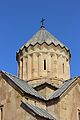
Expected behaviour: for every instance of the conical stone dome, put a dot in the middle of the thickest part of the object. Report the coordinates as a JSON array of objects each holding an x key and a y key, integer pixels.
[
  {"x": 37, "y": 60},
  {"x": 44, "y": 36}
]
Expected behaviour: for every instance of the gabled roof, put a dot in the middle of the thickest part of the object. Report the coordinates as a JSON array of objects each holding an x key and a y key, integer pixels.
[
  {"x": 26, "y": 88},
  {"x": 23, "y": 85},
  {"x": 39, "y": 111},
  {"x": 62, "y": 88},
  {"x": 44, "y": 36},
  {"x": 48, "y": 83}
]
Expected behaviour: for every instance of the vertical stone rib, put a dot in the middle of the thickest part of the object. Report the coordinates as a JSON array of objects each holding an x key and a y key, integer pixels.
[
  {"x": 67, "y": 70},
  {"x": 24, "y": 68},
  {"x": 49, "y": 65},
  {"x": 18, "y": 72},
  {"x": 29, "y": 67},
  {"x": 35, "y": 65},
  {"x": 60, "y": 66},
  {"x": 54, "y": 66},
  {"x": 40, "y": 65},
  {"x": 21, "y": 69},
  {"x": 64, "y": 74}
]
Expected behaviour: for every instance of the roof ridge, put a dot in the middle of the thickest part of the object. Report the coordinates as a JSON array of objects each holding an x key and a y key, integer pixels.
[
  {"x": 9, "y": 73},
  {"x": 61, "y": 89},
  {"x": 39, "y": 111},
  {"x": 24, "y": 86}
]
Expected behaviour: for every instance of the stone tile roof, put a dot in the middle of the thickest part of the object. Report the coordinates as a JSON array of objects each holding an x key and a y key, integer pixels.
[
  {"x": 62, "y": 88},
  {"x": 23, "y": 85},
  {"x": 44, "y": 36},
  {"x": 28, "y": 89},
  {"x": 39, "y": 111}
]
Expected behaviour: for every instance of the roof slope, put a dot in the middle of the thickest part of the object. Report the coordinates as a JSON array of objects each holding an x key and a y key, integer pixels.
[
  {"x": 44, "y": 36},
  {"x": 62, "y": 88},
  {"x": 39, "y": 111},
  {"x": 23, "y": 85}
]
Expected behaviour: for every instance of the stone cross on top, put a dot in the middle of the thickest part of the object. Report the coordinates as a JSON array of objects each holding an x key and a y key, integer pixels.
[{"x": 42, "y": 22}]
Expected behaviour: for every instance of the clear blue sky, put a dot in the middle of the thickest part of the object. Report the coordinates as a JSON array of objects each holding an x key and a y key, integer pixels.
[{"x": 20, "y": 19}]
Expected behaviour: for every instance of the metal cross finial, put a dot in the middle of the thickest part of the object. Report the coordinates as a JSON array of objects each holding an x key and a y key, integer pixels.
[{"x": 42, "y": 21}]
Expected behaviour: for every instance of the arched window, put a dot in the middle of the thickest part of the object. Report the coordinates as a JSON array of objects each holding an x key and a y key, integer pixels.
[
  {"x": 63, "y": 67},
  {"x": 44, "y": 64}
]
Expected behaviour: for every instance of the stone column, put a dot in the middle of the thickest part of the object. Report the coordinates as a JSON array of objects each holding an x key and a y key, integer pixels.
[
  {"x": 18, "y": 72},
  {"x": 35, "y": 65},
  {"x": 40, "y": 65},
  {"x": 67, "y": 69},
  {"x": 64, "y": 74},
  {"x": 54, "y": 66},
  {"x": 0, "y": 114},
  {"x": 24, "y": 68},
  {"x": 29, "y": 67},
  {"x": 21, "y": 69},
  {"x": 60, "y": 66},
  {"x": 49, "y": 65}
]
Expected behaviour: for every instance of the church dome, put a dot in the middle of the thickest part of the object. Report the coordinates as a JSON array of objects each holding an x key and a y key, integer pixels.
[
  {"x": 43, "y": 57},
  {"x": 43, "y": 36}
]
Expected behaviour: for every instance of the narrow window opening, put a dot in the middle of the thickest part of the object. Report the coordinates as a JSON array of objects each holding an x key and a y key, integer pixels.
[
  {"x": 44, "y": 64},
  {"x": 27, "y": 98},
  {"x": 35, "y": 102},
  {"x": 79, "y": 115},
  {"x": 1, "y": 112},
  {"x": 63, "y": 67}
]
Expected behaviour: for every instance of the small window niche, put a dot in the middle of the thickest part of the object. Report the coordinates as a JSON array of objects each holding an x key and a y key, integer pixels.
[
  {"x": 1, "y": 112},
  {"x": 44, "y": 64},
  {"x": 63, "y": 67},
  {"x": 78, "y": 115}
]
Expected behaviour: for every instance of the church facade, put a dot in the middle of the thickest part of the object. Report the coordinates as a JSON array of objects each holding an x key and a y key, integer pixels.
[{"x": 43, "y": 89}]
